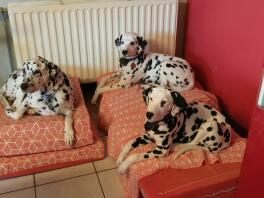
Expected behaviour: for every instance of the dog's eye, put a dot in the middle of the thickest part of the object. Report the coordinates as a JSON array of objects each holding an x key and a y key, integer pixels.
[
  {"x": 150, "y": 99},
  {"x": 122, "y": 42},
  {"x": 162, "y": 103}
]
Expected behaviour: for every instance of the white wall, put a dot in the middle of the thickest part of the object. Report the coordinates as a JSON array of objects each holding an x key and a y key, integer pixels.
[{"x": 5, "y": 66}]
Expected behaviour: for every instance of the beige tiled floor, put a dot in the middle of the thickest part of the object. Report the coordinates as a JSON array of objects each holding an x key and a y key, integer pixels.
[{"x": 91, "y": 180}]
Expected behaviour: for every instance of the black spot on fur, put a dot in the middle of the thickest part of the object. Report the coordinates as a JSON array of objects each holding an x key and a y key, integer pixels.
[
  {"x": 162, "y": 103},
  {"x": 193, "y": 135},
  {"x": 195, "y": 110},
  {"x": 170, "y": 65},
  {"x": 165, "y": 141},
  {"x": 227, "y": 136},
  {"x": 146, "y": 156},
  {"x": 212, "y": 137},
  {"x": 207, "y": 107},
  {"x": 157, "y": 152},
  {"x": 14, "y": 76},
  {"x": 189, "y": 112},
  {"x": 67, "y": 96},
  {"x": 185, "y": 140},
  {"x": 135, "y": 71},
  {"x": 215, "y": 144},
  {"x": 209, "y": 128},
  {"x": 213, "y": 113},
  {"x": 139, "y": 141},
  {"x": 148, "y": 65}
]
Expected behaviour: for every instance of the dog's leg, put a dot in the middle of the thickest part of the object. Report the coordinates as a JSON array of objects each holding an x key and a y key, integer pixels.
[
  {"x": 105, "y": 80},
  {"x": 4, "y": 101},
  {"x": 198, "y": 142},
  {"x": 119, "y": 85},
  {"x": 162, "y": 148},
  {"x": 20, "y": 96},
  {"x": 68, "y": 129},
  {"x": 19, "y": 112},
  {"x": 134, "y": 143},
  {"x": 101, "y": 86}
]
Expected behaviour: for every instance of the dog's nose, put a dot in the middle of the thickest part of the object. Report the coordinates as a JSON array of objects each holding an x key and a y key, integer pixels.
[
  {"x": 149, "y": 114},
  {"x": 132, "y": 43},
  {"x": 124, "y": 52},
  {"x": 24, "y": 86}
]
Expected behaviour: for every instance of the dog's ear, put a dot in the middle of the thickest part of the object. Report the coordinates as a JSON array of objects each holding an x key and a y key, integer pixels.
[
  {"x": 54, "y": 72},
  {"x": 146, "y": 93},
  {"x": 142, "y": 42},
  {"x": 178, "y": 100},
  {"x": 118, "y": 41}
]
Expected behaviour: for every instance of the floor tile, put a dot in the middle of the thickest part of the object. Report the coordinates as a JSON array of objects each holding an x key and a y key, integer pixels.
[
  {"x": 79, "y": 187},
  {"x": 111, "y": 184},
  {"x": 25, "y": 193},
  {"x": 64, "y": 173},
  {"x": 105, "y": 164},
  {"x": 16, "y": 183}
]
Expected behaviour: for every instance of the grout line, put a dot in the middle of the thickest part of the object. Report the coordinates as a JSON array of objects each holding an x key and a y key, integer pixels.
[
  {"x": 34, "y": 179},
  {"x": 16, "y": 190},
  {"x": 65, "y": 179},
  {"x": 99, "y": 182},
  {"x": 106, "y": 170}
]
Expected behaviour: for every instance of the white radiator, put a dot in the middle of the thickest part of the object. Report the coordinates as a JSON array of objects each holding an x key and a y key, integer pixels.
[{"x": 80, "y": 37}]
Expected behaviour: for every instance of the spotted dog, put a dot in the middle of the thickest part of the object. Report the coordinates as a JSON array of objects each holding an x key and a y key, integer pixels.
[
  {"x": 136, "y": 67},
  {"x": 39, "y": 88},
  {"x": 170, "y": 121}
]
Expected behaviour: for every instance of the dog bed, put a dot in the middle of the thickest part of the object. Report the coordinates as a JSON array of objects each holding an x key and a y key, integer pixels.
[
  {"x": 36, "y": 143},
  {"x": 122, "y": 114}
]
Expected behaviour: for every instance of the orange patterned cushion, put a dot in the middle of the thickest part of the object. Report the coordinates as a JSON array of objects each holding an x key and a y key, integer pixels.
[{"x": 35, "y": 134}]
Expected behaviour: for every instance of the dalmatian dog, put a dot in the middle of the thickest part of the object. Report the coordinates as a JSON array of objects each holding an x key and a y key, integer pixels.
[
  {"x": 135, "y": 67},
  {"x": 171, "y": 121},
  {"x": 39, "y": 88}
]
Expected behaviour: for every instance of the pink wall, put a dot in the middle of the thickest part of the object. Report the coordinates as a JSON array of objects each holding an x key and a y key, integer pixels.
[{"x": 224, "y": 42}]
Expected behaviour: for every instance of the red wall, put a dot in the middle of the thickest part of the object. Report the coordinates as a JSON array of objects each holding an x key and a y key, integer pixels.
[{"x": 224, "y": 42}]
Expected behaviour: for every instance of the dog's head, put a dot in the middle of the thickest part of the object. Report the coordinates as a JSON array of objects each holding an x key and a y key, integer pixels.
[
  {"x": 161, "y": 101},
  {"x": 131, "y": 45},
  {"x": 37, "y": 74}
]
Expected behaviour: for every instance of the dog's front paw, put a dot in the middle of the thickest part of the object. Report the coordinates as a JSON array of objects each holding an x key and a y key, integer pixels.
[
  {"x": 94, "y": 99},
  {"x": 68, "y": 137},
  {"x": 12, "y": 114},
  {"x": 122, "y": 168},
  {"x": 119, "y": 160}
]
